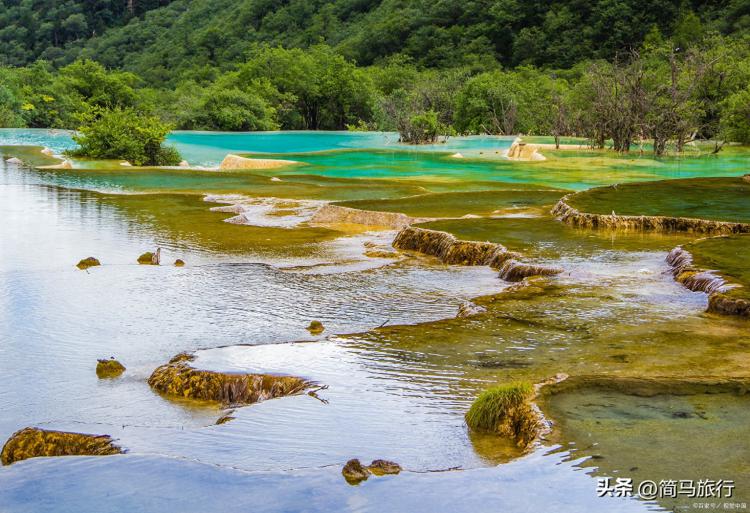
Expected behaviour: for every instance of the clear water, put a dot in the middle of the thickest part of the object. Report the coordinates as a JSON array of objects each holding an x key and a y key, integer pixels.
[{"x": 400, "y": 370}]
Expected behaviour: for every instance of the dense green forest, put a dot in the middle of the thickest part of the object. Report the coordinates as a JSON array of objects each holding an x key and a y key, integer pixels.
[{"x": 614, "y": 70}]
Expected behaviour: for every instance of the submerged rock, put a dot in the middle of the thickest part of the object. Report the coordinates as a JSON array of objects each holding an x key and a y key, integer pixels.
[
  {"x": 34, "y": 442},
  {"x": 354, "y": 472},
  {"x": 449, "y": 249},
  {"x": 316, "y": 327},
  {"x": 149, "y": 258},
  {"x": 512, "y": 270},
  {"x": 383, "y": 467},
  {"x": 469, "y": 309},
  {"x": 335, "y": 214},
  {"x": 109, "y": 368},
  {"x": 88, "y": 262},
  {"x": 178, "y": 378},
  {"x": 179, "y": 263}
]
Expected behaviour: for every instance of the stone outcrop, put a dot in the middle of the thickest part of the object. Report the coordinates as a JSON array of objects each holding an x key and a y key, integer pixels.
[
  {"x": 179, "y": 263},
  {"x": 88, "y": 262},
  {"x": 513, "y": 270},
  {"x": 237, "y": 162},
  {"x": 701, "y": 280},
  {"x": 14, "y": 160},
  {"x": 522, "y": 151},
  {"x": 179, "y": 379},
  {"x": 573, "y": 217},
  {"x": 450, "y": 250},
  {"x": 109, "y": 368},
  {"x": 746, "y": 178},
  {"x": 34, "y": 442},
  {"x": 335, "y": 214}
]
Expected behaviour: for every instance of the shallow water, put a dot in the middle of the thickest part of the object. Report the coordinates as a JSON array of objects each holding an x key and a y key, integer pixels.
[{"x": 400, "y": 370}]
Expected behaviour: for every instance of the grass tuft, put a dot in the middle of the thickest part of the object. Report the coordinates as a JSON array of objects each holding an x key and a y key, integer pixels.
[{"x": 506, "y": 410}]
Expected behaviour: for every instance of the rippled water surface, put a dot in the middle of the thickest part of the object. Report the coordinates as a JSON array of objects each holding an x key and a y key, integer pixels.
[{"x": 395, "y": 368}]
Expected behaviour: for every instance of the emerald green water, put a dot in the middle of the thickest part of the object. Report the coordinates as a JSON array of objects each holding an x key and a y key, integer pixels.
[
  {"x": 620, "y": 432},
  {"x": 457, "y": 204},
  {"x": 721, "y": 199},
  {"x": 401, "y": 369}
]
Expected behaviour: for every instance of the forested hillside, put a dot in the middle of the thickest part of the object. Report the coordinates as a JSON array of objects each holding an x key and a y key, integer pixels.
[
  {"x": 56, "y": 30},
  {"x": 625, "y": 71},
  {"x": 159, "y": 41}
]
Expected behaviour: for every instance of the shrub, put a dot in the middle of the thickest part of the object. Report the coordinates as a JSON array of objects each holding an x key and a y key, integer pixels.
[{"x": 125, "y": 134}]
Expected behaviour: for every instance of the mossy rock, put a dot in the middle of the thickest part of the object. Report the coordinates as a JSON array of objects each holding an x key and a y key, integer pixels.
[
  {"x": 179, "y": 263},
  {"x": 354, "y": 472},
  {"x": 147, "y": 258},
  {"x": 88, "y": 262},
  {"x": 316, "y": 328},
  {"x": 224, "y": 419},
  {"x": 384, "y": 467},
  {"x": 507, "y": 411},
  {"x": 179, "y": 379},
  {"x": 34, "y": 442},
  {"x": 109, "y": 368}
]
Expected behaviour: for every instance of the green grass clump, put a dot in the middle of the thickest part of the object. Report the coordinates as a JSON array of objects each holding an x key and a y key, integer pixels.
[{"x": 507, "y": 411}]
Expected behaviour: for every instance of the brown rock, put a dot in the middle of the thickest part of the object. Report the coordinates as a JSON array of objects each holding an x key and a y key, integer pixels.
[
  {"x": 354, "y": 472},
  {"x": 34, "y": 442},
  {"x": 109, "y": 368}
]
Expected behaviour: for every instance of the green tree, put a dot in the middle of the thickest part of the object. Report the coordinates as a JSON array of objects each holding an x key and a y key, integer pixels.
[
  {"x": 125, "y": 134},
  {"x": 735, "y": 121}
]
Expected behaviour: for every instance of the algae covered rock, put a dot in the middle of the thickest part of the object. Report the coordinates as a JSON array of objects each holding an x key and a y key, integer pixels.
[
  {"x": 354, "y": 472},
  {"x": 149, "y": 258},
  {"x": 383, "y": 467},
  {"x": 469, "y": 309},
  {"x": 316, "y": 327},
  {"x": 88, "y": 262},
  {"x": 513, "y": 270},
  {"x": 450, "y": 250},
  {"x": 179, "y": 263},
  {"x": 34, "y": 442},
  {"x": 109, "y": 368},
  {"x": 179, "y": 379},
  {"x": 225, "y": 418},
  {"x": 508, "y": 411}
]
